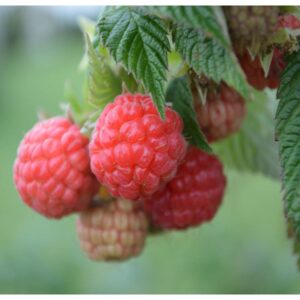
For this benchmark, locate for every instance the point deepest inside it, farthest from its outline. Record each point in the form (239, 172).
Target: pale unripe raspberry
(113, 231)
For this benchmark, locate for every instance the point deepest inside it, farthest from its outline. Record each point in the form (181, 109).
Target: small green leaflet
(253, 148)
(180, 95)
(103, 84)
(288, 134)
(207, 56)
(203, 17)
(140, 42)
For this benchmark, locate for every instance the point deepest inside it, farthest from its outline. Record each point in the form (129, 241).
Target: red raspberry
(255, 73)
(51, 172)
(115, 231)
(289, 21)
(133, 152)
(222, 114)
(193, 196)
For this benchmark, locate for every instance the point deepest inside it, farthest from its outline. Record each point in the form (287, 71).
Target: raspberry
(134, 152)
(222, 114)
(250, 24)
(115, 231)
(255, 73)
(289, 21)
(192, 197)
(51, 171)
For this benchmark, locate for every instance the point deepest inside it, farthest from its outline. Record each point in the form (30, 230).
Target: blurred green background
(244, 250)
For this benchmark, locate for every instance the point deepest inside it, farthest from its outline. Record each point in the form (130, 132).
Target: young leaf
(288, 134)
(140, 42)
(253, 149)
(203, 17)
(103, 84)
(180, 95)
(207, 56)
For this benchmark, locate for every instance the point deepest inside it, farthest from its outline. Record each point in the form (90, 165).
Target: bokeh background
(244, 250)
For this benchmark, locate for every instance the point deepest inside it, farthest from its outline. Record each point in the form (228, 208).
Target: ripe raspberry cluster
(136, 173)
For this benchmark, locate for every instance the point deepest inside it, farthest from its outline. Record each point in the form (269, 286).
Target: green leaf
(288, 134)
(203, 17)
(207, 56)
(103, 84)
(128, 81)
(253, 148)
(180, 95)
(139, 41)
